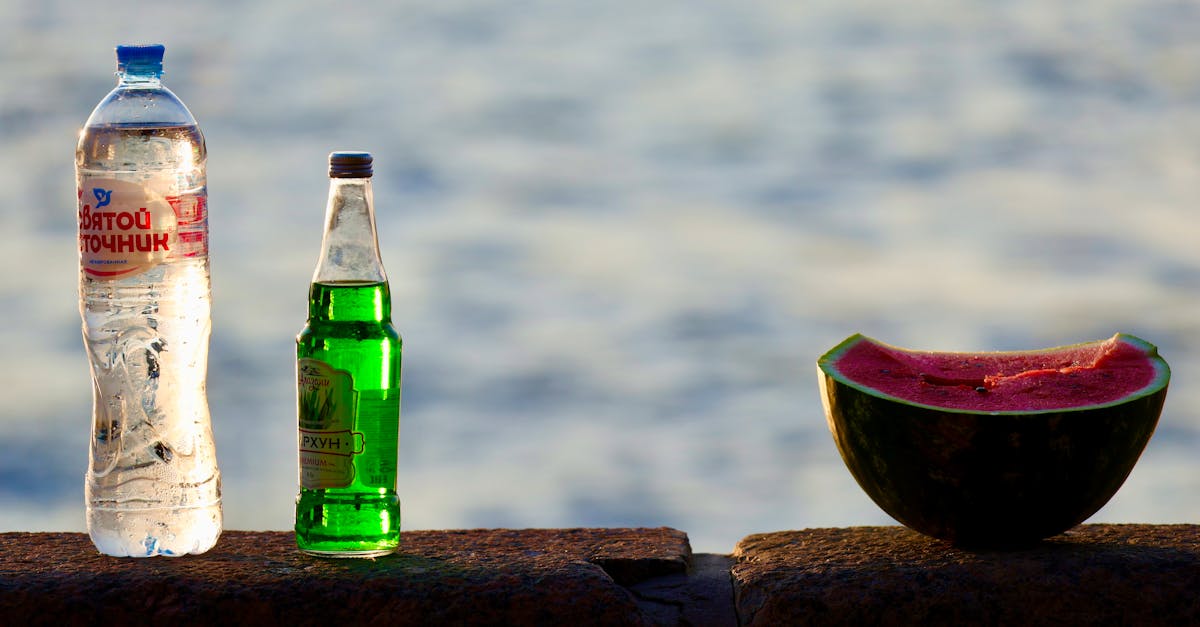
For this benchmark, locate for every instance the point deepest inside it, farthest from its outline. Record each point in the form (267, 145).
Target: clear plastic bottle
(152, 486)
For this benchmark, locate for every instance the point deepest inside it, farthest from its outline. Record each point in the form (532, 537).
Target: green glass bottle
(348, 382)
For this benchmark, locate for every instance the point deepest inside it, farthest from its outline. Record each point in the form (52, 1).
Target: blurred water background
(620, 233)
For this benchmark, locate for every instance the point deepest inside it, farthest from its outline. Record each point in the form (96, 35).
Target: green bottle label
(377, 418)
(328, 441)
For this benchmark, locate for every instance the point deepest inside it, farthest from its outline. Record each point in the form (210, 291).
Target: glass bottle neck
(349, 282)
(349, 301)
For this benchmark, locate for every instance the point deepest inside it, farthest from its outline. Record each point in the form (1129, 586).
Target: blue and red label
(127, 228)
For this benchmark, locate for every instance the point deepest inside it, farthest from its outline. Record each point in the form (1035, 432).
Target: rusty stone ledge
(1094, 574)
(1091, 575)
(488, 577)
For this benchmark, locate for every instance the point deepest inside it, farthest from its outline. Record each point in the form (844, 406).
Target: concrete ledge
(1095, 574)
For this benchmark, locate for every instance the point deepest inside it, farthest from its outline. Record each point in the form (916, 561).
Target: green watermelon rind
(989, 479)
(826, 364)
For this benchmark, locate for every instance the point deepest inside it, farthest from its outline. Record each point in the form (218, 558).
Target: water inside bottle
(152, 486)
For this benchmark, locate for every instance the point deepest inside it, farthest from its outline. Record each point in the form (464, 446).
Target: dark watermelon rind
(989, 479)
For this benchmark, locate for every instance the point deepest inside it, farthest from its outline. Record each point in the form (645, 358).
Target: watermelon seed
(981, 389)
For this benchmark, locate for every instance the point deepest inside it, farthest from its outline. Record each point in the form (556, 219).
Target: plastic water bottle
(152, 485)
(348, 382)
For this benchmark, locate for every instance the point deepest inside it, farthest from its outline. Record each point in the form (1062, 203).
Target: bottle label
(328, 442)
(379, 419)
(127, 228)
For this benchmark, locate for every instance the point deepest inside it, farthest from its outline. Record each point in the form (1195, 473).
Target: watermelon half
(995, 449)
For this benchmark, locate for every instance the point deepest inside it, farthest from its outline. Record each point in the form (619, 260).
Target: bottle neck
(349, 284)
(350, 302)
(141, 79)
(140, 99)
(350, 247)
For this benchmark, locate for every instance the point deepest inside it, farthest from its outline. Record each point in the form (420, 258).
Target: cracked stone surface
(701, 596)
(1093, 574)
(497, 576)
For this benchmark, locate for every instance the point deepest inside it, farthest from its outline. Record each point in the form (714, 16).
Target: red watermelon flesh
(1089, 374)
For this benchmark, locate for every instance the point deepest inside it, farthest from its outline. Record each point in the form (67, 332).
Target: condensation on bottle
(152, 484)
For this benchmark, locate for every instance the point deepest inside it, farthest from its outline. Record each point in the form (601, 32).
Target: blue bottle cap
(142, 59)
(350, 165)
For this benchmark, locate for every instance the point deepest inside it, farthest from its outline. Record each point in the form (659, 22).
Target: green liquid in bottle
(349, 389)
